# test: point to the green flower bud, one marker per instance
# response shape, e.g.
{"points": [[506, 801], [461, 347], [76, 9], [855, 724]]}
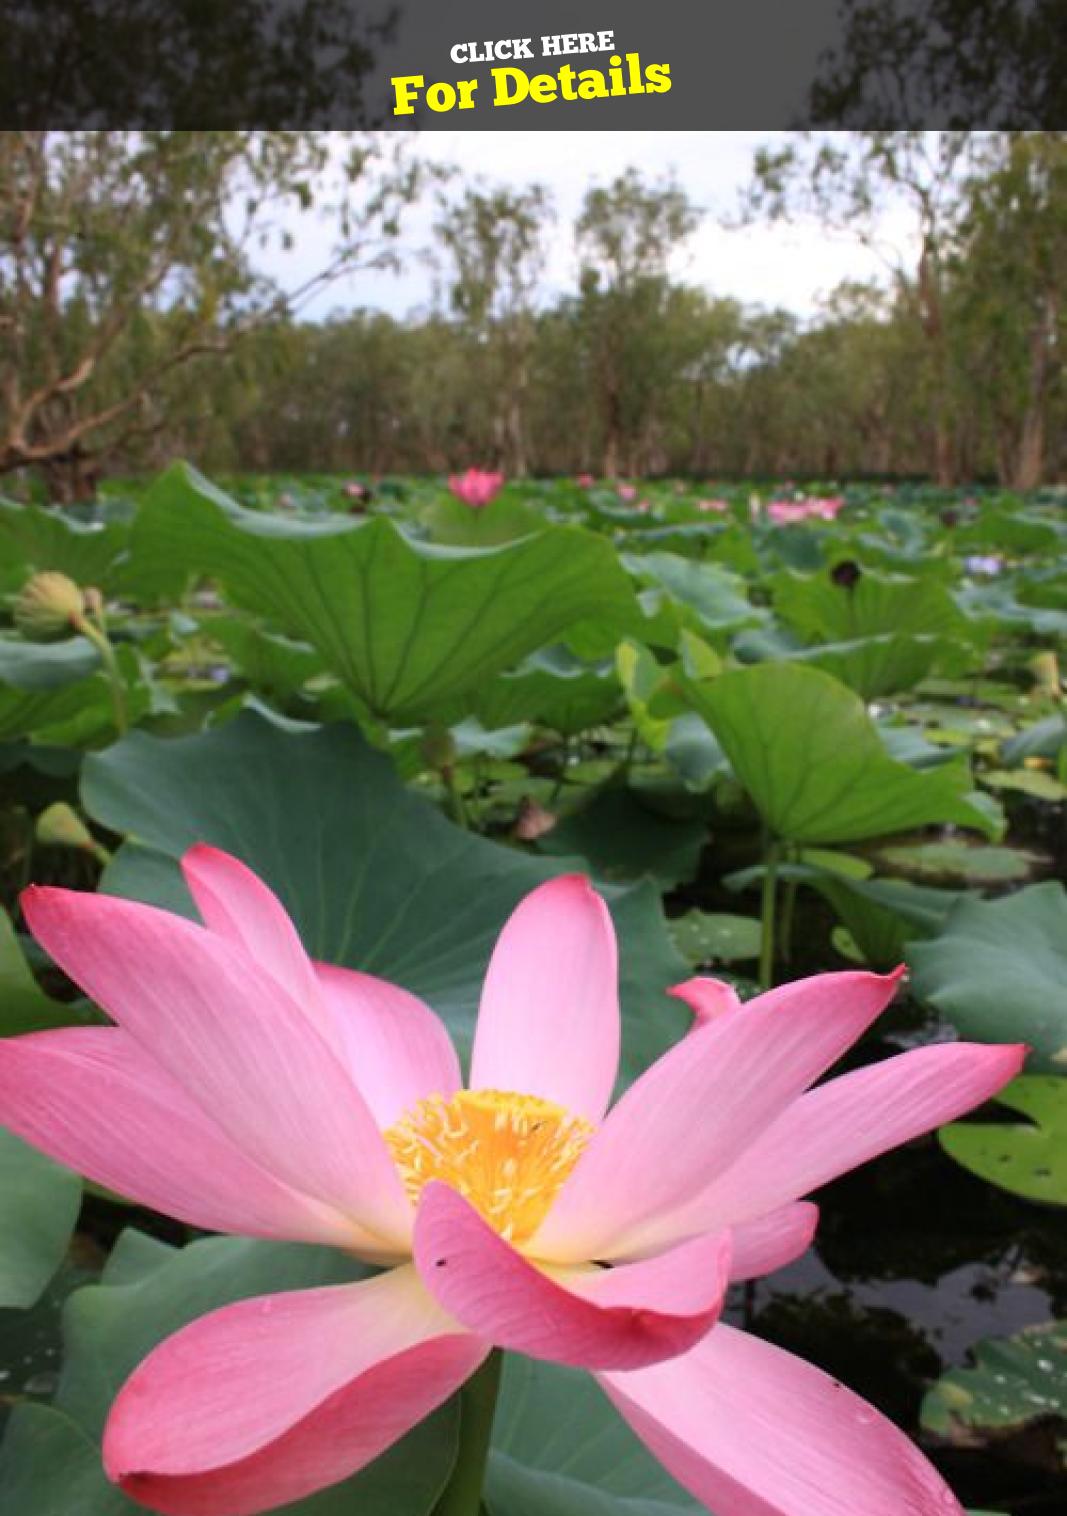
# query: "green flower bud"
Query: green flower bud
{"points": [[48, 607]]}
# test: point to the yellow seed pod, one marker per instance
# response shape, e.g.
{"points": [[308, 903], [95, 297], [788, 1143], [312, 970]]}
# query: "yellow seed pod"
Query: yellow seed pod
{"points": [[48, 607]]}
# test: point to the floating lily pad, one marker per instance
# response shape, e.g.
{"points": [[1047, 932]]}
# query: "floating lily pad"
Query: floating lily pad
{"points": [[957, 862], [1028, 1158], [1015, 1381], [716, 937]]}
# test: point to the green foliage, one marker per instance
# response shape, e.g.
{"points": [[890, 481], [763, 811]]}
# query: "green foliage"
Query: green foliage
{"points": [[1028, 1158], [39, 1203], [999, 970], [408, 627], [811, 760], [1015, 1381]]}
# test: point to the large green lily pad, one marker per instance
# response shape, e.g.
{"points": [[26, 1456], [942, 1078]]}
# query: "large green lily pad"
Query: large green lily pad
{"points": [[561, 1449], [50, 1460], [998, 972], [39, 1203], [410, 627], [811, 759], [373, 875], [1029, 1158]]}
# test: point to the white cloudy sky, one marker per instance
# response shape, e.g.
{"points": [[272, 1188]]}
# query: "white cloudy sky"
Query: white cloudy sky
{"points": [[791, 266]]}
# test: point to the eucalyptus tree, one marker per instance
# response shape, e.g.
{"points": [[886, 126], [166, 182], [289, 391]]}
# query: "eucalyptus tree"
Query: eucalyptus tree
{"points": [[848, 181], [1010, 278], [626, 235], [493, 246], [127, 256]]}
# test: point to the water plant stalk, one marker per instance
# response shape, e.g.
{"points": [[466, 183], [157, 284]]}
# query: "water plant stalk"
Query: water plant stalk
{"points": [[767, 915], [477, 1407]]}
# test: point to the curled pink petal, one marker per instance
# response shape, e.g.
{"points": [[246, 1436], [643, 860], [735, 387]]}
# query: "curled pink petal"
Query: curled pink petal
{"points": [[92, 1099], [263, 1402], [397, 1050], [549, 1022], [708, 999], [770, 1242], [619, 1318], [235, 1041], [850, 1120], [696, 1110], [749, 1430]]}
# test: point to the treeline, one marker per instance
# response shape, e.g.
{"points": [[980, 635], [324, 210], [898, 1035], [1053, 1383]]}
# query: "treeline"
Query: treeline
{"points": [[952, 367]]}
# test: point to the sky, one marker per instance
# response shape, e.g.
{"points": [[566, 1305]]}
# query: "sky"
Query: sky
{"points": [[783, 265]]}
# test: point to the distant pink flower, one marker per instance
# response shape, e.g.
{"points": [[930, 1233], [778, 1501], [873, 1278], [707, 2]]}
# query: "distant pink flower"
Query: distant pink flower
{"points": [[248, 1089], [354, 490], [627, 491], [785, 512], [713, 505], [643, 506], [585, 481], [476, 487]]}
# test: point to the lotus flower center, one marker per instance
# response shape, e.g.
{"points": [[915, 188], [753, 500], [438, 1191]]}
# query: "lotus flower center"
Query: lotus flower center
{"points": [[506, 1154]]}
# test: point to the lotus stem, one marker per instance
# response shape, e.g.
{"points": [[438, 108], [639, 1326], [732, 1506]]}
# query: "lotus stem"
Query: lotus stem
{"points": [[767, 912], [477, 1407], [94, 631]]}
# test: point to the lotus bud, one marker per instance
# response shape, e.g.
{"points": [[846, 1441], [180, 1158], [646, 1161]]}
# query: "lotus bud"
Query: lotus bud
{"points": [[59, 825], [48, 607]]}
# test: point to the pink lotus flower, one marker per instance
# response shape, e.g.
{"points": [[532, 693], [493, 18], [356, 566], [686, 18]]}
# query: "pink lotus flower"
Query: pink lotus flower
{"points": [[476, 487], [585, 481], [627, 492], [713, 505], [247, 1089], [786, 512]]}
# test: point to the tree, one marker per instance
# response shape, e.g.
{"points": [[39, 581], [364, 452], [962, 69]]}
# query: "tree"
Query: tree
{"points": [[626, 234], [124, 256], [1010, 274], [846, 182], [493, 244]]}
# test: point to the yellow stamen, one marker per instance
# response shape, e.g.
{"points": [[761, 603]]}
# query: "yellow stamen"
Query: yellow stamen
{"points": [[507, 1154]]}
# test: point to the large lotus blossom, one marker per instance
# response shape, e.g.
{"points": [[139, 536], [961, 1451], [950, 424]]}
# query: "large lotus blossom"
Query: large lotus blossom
{"points": [[248, 1089], [476, 487]]}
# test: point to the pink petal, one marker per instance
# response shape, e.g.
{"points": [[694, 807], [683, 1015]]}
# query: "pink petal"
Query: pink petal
{"points": [[620, 1318], [771, 1241], [396, 1049], [235, 903], [549, 1018], [92, 1099], [262, 1402], [850, 1120], [693, 1113], [749, 1430], [708, 999], [236, 1042]]}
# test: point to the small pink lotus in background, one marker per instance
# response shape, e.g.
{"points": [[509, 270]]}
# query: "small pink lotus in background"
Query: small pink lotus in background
{"points": [[248, 1089], [643, 506], [787, 512], [585, 481], [713, 505], [476, 487], [627, 492], [353, 490]]}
